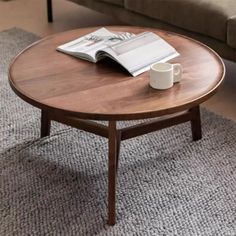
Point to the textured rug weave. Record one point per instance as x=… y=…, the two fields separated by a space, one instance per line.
x=167 y=184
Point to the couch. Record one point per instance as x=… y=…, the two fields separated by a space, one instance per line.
x=212 y=22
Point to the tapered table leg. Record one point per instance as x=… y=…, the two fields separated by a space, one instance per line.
x=196 y=123
x=113 y=143
x=118 y=150
x=45 y=124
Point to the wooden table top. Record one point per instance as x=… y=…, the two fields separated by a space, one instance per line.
x=67 y=85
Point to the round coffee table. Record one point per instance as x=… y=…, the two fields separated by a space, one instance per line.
x=74 y=92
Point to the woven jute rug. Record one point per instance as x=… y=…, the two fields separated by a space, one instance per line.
x=167 y=184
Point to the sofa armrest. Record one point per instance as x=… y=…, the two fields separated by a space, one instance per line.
x=231 y=32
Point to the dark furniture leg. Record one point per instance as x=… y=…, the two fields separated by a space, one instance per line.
x=113 y=144
x=45 y=124
x=118 y=150
x=196 y=123
x=49 y=10
x=115 y=136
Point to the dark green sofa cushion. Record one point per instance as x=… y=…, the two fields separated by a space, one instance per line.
x=115 y=2
x=208 y=17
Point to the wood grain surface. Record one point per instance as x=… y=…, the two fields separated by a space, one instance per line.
x=66 y=85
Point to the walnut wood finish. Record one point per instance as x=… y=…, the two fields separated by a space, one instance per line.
x=55 y=81
x=70 y=90
x=45 y=124
x=196 y=123
x=112 y=161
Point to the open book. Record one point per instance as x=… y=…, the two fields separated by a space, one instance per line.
x=136 y=53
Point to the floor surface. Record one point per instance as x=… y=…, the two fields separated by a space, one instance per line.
x=31 y=16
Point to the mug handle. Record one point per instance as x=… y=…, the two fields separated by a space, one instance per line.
x=178 y=71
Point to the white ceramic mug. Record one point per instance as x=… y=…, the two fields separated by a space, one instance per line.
x=164 y=75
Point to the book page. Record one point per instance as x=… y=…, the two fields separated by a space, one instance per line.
x=137 y=54
x=87 y=46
